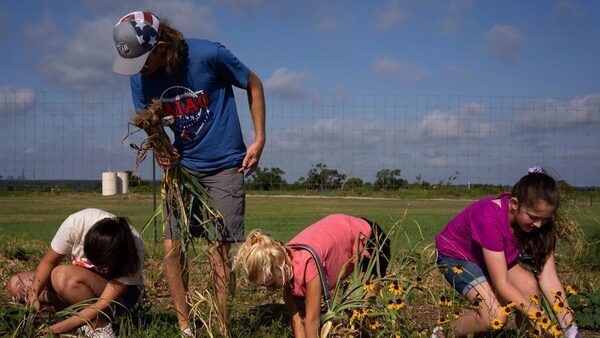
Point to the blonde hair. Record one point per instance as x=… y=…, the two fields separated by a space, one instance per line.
x=260 y=256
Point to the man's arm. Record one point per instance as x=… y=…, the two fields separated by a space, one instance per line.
x=256 y=102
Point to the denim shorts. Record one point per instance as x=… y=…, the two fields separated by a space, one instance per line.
x=462 y=275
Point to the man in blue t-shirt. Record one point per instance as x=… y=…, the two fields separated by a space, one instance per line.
x=193 y=78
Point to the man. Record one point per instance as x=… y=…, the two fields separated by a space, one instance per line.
x=194 y=78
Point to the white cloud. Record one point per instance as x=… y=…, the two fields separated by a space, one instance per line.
x=391 y=16
x=81 y=58
x=16 y=100
x=395 y=71
x=287 y=82
x=553 y=114
x=505 y=42
x=463 y=123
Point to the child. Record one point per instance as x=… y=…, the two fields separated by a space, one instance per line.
x=336 y=239
x=481 y=251
x=106 y=255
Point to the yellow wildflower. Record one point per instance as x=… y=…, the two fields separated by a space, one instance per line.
x=557 y=295
x=442 y=321
x=400 y=303
x=505 y=310
x=422 y=333
x=535 y=299
x=391 y=305
x=545 y=323
x=558 y=306
x=511 y=305
x=475 y=304
x=571 y=290
x=557 y=331
x=445 y=301
x=582 y=302
x=497 y=324
x=535 y=333
x=457 y=269
x=456 y=315
x=375 y=325
x=369 y=287
x=396 y=289
x=535 y=315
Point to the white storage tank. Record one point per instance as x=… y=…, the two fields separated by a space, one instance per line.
x=109 y=183
x=122 y=182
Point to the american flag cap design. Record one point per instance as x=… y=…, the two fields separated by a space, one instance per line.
x=135 y=36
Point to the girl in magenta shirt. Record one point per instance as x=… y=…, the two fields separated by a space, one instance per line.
x=484 y=248
x=336 y=239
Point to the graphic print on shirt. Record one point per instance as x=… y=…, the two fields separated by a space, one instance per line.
x=186 y=111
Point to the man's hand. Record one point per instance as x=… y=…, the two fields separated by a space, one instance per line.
x=251 y=159
x=165 y=160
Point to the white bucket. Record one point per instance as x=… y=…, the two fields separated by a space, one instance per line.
x=109 y=183
x=123 y=182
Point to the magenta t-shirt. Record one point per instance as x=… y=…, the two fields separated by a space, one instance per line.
x=483 y=224
x=334 y=239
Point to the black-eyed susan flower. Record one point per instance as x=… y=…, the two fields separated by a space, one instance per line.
x=545 y=323
x=582 y=302
x=445 y=301
x=505 y=310
x=369 y=287
x=442 y=321
x=422 y=333
x=558 y=295
x=391 y=305
x=419 y=279
x=559 y=306
x=535 y=315
x=400 y=303
x=511 y=305
x=458 y=269
x=497 y=324
x=571 y=290
x=475 y=304
x=535 y=332
x=375 y=325
x=456 y=315
x=535 y=299
x=556 y=330
x=396 y=289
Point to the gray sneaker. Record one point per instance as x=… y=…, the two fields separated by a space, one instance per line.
x=99 y=332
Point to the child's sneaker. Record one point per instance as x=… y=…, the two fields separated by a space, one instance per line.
x=99 y=332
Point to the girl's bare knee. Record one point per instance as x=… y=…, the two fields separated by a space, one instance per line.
x=61 y=278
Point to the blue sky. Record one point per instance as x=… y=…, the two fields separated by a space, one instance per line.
x=464 y=49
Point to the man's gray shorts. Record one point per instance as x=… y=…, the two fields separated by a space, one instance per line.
x=226 y=188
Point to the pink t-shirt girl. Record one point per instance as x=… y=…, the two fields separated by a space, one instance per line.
x=483 y=224
x=334 y=239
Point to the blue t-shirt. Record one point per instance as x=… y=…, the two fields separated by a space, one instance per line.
x=199 y=96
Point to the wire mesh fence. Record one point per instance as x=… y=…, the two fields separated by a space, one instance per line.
x=319 y=141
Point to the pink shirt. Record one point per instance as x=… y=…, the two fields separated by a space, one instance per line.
x=483 y=224
x=334 y=239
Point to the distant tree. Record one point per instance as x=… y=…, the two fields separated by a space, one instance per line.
x=452 y=178
x=267 y=179
x=320 y=177
x=565 y=188
x=389 y=179
x=353 y=182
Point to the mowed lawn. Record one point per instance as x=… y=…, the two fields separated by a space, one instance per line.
x=36 y=216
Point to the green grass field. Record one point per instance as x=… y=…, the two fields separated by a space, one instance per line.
x=29 y=220
x=36 y=216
